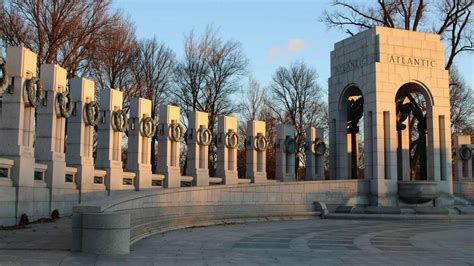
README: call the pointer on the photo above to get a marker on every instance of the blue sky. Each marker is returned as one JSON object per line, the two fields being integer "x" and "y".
{"x": 272, "y": 33}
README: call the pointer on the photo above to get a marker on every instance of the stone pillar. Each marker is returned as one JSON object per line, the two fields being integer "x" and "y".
{"x": 17, "y": 130}
{"x": 142, "y": 129}
{"x": 403, "y": 152}
{"x": 169, "y": 133}
{"x": 109, "y": 143}
{"x": 285, "y": 153}
{"x": 315, "y": 149}
{"x": 256, "y": 145}
{"x": 199, "y": 137}
{"x": 227, "y": 143}
{"x": 80, "y": 136}
{"x": 51, "y": 131}
{"x": 463, "y": 159}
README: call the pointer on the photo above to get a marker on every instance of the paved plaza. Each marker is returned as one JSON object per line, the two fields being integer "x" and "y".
{"x": 310, "y": 242}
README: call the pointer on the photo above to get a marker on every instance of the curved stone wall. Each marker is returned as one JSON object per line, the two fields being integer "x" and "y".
{"x": 161, "y": 210}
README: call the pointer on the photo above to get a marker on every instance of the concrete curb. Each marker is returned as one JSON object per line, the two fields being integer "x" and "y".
{"x": 412, "y": 217}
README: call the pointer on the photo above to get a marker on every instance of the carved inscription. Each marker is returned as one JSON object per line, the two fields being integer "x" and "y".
{"x": 353, "y": 64}
{"x": 412, "y": 61}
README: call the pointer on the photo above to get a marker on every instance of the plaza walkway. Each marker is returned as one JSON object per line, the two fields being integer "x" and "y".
{"x": 308, "y": 242}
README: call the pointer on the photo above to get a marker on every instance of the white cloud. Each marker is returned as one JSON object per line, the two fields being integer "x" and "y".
{"x": 293, "y": 46}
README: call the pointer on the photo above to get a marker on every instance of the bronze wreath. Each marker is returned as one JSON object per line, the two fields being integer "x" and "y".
{"x": 260, "y": 142}
{"x": 204, "y": 136}
{"x": 147, "y": 127}
{"x": 64, "y": 104}
{"x": 34, "y": 91}
{"x": 465, "y": 153}
{"x": 231, "y": 139}
{"x": 318, "y": 147}
{"x": 91, "y": 113}
{"x": 175, "y": 132}
{"x": 4, "y": 69}
{"x": 290, "y": 145}
{"x": 119, "y": 120}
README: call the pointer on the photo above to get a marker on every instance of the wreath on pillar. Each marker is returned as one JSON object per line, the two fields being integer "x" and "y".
{"x": 260, "y": 142}
{"x": 465, "y": 153}
{"x": 318, "y": 147}
{"x": 64, "y": 104}
{"x": 175, "y": 132}
{"x": 34, "y": 92}
{"x": 231, "y": 139}
{"x": 119, "y": 120}
{"x": 204, "y": 136}
{"x": 290, "y": 145}
{"x": 4, "y": 69}
{"x": 147, "y": 127}
{"x": 91, "y": 113}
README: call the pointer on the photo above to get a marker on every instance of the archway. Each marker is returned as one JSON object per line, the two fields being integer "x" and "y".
{"x": 352, "y": 106}
{"x": 413, "y": 108}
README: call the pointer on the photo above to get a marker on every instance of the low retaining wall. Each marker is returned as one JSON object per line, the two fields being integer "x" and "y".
{"x": 464, "y": 189}
{"x": 161, "y": 210}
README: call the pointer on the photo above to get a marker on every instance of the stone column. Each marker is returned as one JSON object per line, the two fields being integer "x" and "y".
{"x": 51, "y": 131}
{"x": 17, "y": 130}
{"x": 462, "y": 161}
{"x": 109, "y": 143}
{"x": 285, "y": 153}
{"x": 227, "y": 143}
{"x": 142, "y": 129}
{"x": 169, "y": 133}
{"x": 199, "y": 137}
{"x": 256, "y": 145}
{"x": 403, "y": 152}
{"x": 80, "y": 136}
{"x": 315, "y": 149}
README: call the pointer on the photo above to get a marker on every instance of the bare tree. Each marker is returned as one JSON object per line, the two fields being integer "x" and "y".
{"x": 153, "y": 72}
{"x": 462, "y": 103}
{"x": 296, "y": 100}
{"x": 116, "y": 58}
{"x": 253, "y": 100}
{"x": 208, "y": 77}
{"x": 64, "y": 32}
{"x": 449, "y": 18}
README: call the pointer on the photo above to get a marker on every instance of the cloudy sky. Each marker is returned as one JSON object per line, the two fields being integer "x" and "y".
{"x": 273, "y": 33}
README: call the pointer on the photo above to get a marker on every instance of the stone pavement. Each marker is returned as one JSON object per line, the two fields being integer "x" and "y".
{"x": 305, "y": 242}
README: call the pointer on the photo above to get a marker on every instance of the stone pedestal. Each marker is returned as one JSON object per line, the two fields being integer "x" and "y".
{"x": 17, "y": 130}
{"x": 199, "y": 137}
{"x": 109, "y": 143}
{"x": 80, "y": 137}
{"x": 50, "y": 135}
{"x": 463, "y": 159}
{"x": 256, "y": 145}
{"x": 169, "y": 134}
{"x": 315, "y": 148}
{"x": 285, "y": 153}
{"x": 227, "y": 143}
{"x": 142, "y": 128}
